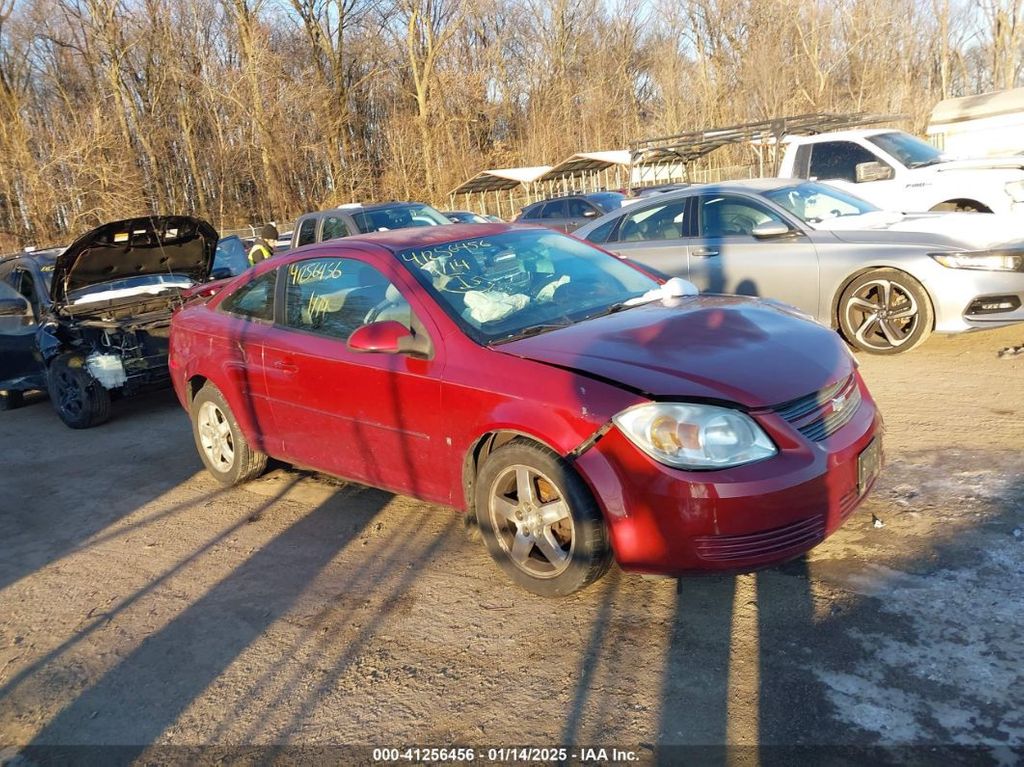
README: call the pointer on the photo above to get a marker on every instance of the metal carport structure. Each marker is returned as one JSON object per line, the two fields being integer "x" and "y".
{"x": 588, "y": 172}
{"x": 511, "y": 185}
{"x": 763, "y": 136}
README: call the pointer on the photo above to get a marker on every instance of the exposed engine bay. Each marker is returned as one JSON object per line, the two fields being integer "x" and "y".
{"x": 124, "y": 341}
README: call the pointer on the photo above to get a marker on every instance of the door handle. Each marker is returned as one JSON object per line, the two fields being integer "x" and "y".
{"x": 704, "y": 252}
{"x": 286, "y": 366}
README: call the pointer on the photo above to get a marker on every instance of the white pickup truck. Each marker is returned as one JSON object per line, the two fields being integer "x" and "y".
{"x": 897, "y": 171}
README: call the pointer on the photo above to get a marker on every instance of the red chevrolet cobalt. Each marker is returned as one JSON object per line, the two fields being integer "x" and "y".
{"x": 577, "y": 408}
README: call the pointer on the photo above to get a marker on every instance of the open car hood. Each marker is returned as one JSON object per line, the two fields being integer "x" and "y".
{"x": 723, "y": 348}
{"x": 178, "y": 245}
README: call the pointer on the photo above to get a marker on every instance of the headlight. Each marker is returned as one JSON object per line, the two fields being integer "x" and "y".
{"x": 1016, "y": 190}
{"x": 695, "y": 436}
{"x": 993, "y": 262}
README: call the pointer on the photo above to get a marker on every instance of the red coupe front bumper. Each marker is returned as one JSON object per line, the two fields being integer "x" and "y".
{"x": 671, "y": 522}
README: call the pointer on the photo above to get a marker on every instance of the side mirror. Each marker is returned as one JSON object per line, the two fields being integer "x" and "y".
{"x": 768, "y": 229}
{"x": 14, "y": 307}
{"x": 873, "y": 171}
{"x": 590, "y": 214}
{"x": 389, "y": 337}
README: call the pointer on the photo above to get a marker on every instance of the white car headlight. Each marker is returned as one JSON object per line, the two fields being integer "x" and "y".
{"x": 992, "y": 262}
{"x": 1016, "y": 190}
{"x": 691, "y": 436}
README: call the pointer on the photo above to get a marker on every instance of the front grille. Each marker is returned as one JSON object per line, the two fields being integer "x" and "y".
{"x": 798, "y": 536}
{"x": 821, "y": 414}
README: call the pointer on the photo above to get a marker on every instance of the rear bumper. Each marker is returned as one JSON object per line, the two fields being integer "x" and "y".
{"x": 672, "y": 522}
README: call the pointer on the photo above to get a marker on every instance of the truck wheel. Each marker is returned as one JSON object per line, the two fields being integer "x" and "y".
{"x": 885, "y": 311}
{"x": 79, "y": 399}
{"x": 227, "y": 454}
{"x": 962, "y": 206}
{"x": 539, "y": 520}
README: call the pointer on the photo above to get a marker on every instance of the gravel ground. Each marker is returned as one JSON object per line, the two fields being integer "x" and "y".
{"x": 143, "y": 605}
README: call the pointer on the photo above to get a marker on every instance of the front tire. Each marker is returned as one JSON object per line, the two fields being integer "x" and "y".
{"x": 79, "y": 399}
{"x": 885, "y": 311}
{"x": 227, "y": 454}
{"x": 539, "y": 520}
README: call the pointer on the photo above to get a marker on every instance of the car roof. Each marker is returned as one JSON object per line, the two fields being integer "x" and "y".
{"x": 744, "y": 185}
{"x": 426, "y": 236}
{"x": 352, "y": 208}
{"x": 45, "y": 256}
{"x": 840, "y": 135}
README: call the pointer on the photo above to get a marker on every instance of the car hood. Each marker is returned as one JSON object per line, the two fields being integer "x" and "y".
{"x": 180, "y": 245}
{"x": 720, "y": 348}
{"x": 974, "y": 231}
{"x": 1004, "y": 162}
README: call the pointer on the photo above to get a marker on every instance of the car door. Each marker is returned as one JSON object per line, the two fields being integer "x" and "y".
{"x": 726, "y": 257}
{"x": 579, "y": 212}
{"x": 245, "y": 317}
{"x": 369, "y": 417}
{"x": 20, "y": 368}
{"x": 554, "y": 215}
{"x": 835, "y": 163}
{"x": 656, "y": 234}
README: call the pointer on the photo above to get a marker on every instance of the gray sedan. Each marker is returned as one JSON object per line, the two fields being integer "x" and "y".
{"x": 886, "y": 280}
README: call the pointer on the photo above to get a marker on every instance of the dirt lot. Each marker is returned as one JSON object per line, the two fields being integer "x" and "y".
{"x": 140, "y": 603}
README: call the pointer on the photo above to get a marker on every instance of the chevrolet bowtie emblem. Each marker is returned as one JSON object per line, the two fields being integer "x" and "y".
{"x": 838, "y": 403}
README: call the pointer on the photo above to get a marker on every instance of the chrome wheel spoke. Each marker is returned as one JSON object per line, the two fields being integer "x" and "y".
{"x": 553, "y": 513}
{"x": 862, "y": 331}
{"x": 505, "y": 509}
{"x": 521, "y": 548}
{"x": 549, "y": 547}
{"x": 892, "y": 334}
{"x": 904, "y": 314}
{"x": 863, "y": 304}
{"x": 524, "y": 486}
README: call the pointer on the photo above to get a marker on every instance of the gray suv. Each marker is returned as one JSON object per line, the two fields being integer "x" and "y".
{"x": 355, "y": 218}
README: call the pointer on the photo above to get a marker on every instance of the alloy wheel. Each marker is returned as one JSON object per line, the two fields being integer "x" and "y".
{"x": 532, "y": 521}
{"x": 883, "y": 314}
{"x": 215, "y": 436}
{"x": 71, "y": 394}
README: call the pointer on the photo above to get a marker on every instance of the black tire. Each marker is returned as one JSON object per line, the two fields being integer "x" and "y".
{"x": 962, "y": 206}
{"x": 227, "y": 454}
{"x": 885, "y": 311}
{"x": 79, "y": 399}
{"x": 580, "y": 537}
{"x": 10, "y": 400}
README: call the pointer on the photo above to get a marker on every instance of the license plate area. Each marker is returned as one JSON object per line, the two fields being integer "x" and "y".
{"x": 869, "y": 463}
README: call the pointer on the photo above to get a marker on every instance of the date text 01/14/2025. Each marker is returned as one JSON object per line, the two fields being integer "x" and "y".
{"x": 502, "y": 754}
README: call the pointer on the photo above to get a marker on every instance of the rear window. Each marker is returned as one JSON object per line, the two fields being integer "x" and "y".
{"x": 307, "y": 232}
{"x": 254, "y": 300}
{"x": 397, "y": 217}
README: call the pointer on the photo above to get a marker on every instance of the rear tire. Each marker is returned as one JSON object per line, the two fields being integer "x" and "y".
{"x": 885, "y": 311}
{"x": 539, "y": 520}
{"x": 79, "y": 399}
{"x": 227, "y": 454}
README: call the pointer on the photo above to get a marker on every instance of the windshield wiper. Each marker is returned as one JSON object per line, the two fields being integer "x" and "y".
{"x": 533, "y": 330}
{"x": 925, "y": 163}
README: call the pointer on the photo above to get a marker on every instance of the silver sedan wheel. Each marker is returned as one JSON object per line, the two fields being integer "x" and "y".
{"x": 215, "y": 437}
{"x": 882, "y": 314}
{"x": 532, "y": 521}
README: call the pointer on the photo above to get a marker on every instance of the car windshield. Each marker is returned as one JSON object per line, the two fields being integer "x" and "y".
{"x": 516, "y": 283}
{"x": 911, "y": 151}
{"x": 231, "y": 256}
{"x": 607, "y": 201}
{"x": 398, "y": 217}
{"x": 813, "y": 203}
